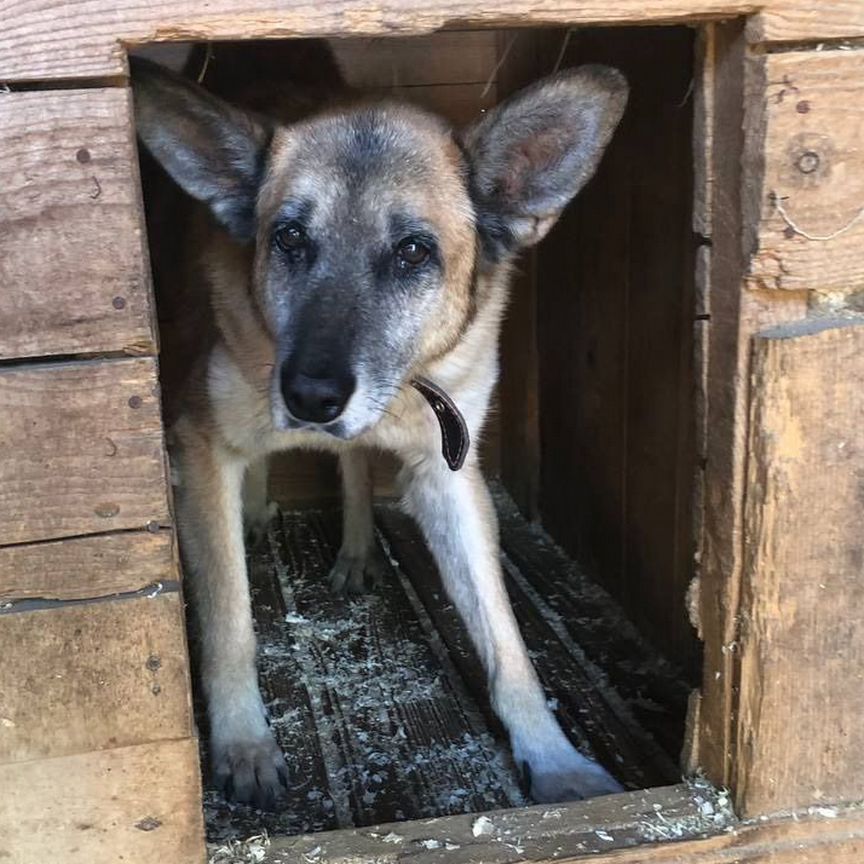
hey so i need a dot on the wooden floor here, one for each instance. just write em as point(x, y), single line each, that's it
point(379, 702)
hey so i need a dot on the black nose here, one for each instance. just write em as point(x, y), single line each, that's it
point(316, 400)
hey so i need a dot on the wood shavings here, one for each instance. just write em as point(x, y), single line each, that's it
point(253, 850)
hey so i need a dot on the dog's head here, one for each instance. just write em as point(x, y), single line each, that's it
point(372, 225)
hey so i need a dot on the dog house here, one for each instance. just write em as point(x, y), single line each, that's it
point(677, 450)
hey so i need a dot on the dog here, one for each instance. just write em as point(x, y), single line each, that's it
point(338, 271)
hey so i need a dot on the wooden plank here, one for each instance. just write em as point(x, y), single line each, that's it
point(92, 676)
point(131, 804)
point(308, 802)
point(87, 567)
point(88, 40)
point(589, 828)
point(518, 414)
point(81, 449)
point(72, 262)
point(735, 315)
point(807, 130)
point(657, 826)
point(801, 639)
point(466, 57)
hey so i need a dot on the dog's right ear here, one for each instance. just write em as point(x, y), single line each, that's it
point(216, 153)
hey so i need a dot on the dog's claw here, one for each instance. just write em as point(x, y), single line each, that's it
point(348, 574)
point(251, 772)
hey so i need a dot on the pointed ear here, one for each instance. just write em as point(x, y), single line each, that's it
point(216, 153)
point(533, 153)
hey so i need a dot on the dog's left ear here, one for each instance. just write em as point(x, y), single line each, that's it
point(533, 153)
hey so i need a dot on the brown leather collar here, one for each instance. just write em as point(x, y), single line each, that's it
point(455, 439)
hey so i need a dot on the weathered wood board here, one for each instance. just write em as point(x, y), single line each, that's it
point(128, 804)
point(91, 676)
point(800, 738)
point(87, 40)
point(654, 827)
point(86, 567)
point(73, 272)
point(806, 132)
point(544, 833)
point(81, 449)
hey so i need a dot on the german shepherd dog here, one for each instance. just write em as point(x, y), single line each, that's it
point(331, 268)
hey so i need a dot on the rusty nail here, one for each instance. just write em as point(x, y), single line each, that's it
point(83, 155)
point(802, 107)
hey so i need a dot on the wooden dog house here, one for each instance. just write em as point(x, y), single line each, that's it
point(680, 407)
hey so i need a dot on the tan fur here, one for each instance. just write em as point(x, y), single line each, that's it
point(227, 413)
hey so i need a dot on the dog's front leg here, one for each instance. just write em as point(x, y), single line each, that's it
point(358, 555)
point(258, 509)
point(247, 763)
point(458, 519)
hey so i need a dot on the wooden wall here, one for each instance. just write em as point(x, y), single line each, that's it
point(606, 316)
point(98, 752)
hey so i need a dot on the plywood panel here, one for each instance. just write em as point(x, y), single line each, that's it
point(799, 736)
point(81, 449)
point(86, 40)
point(73, 276)
point(93, 676)
point(808, 208)
point(86, 567)
point(131, 804)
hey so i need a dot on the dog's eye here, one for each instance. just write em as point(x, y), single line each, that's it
point(290, 237)
point(411, 253)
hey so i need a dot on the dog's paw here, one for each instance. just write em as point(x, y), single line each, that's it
point(349, 574)
point(257, 522)
point(573, 782)
point(554, 770)
point(251, 772)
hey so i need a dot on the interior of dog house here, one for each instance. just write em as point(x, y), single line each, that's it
point(675, 451)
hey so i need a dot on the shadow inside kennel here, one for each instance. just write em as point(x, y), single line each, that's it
point(379, 702)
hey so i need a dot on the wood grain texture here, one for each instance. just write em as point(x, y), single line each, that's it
point(93, 676)
point(87, 40)
point(73, 272)
point(86, 567)
point(567, 830)
point(657, 826)
point(615, 309)
point(81, 449)
point(806, 131)
point(131, 804)
point(799, 735)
